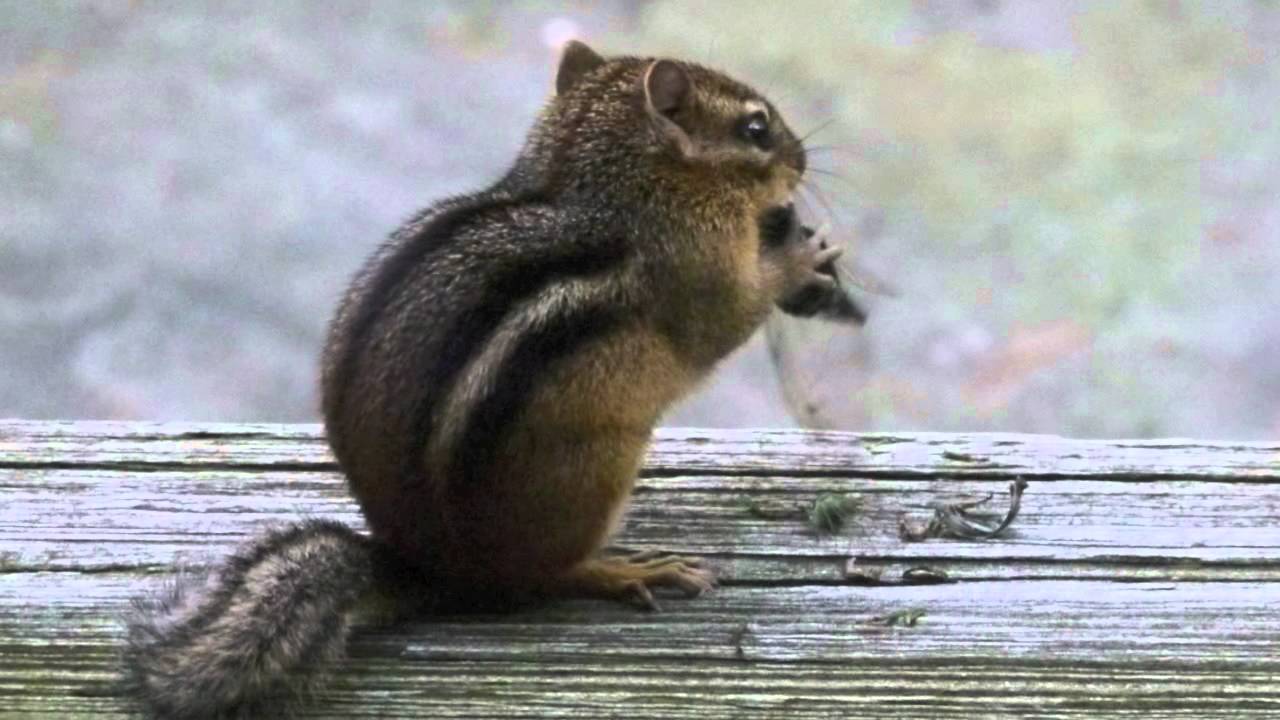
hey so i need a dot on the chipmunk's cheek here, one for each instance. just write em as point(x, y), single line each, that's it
point(791, 178)
point(781, 188)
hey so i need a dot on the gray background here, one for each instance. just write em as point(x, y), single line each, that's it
point(1076, 202)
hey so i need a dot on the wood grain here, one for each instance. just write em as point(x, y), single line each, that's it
point(675, 450)
point(1141, 579)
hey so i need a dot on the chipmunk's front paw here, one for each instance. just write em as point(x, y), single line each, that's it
point(811, 278)
point(809, 285)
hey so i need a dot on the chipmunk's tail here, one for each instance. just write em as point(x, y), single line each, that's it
point(255, 636)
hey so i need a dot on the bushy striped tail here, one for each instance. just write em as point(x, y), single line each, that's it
point(256, 636)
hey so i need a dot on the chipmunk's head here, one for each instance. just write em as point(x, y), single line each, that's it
point(707, 123)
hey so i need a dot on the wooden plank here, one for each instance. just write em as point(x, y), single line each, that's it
point(1082, 621)
point(798, 651)
point(657, 690)
point(95, 520)
point(142, 446)
point(1138, 580)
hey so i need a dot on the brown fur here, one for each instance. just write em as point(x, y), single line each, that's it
point(493, 375)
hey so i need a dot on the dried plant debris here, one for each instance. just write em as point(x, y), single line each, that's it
point(830, 512)
point(777, 509)
point(737, 637)
point(856, 573)
point(826, 515)
point(958, 520)
point(924, 575)
point(898, 618)
point(862, 574)
point(957, 456)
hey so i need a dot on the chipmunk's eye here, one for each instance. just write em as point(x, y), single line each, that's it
point(754, 128)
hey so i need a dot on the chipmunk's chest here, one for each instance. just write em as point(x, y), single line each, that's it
point(710, 308)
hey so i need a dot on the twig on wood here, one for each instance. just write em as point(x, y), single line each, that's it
point(902, 618)
point(956, 519)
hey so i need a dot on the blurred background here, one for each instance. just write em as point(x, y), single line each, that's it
point(1076, 204)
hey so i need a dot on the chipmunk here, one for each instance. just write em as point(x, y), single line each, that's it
point(492, 378)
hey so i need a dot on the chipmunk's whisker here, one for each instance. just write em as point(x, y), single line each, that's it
point(816, 130)
point(816, 194)
point(848, 150)
point(845, 181)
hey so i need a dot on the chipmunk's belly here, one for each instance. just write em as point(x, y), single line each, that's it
point(557, 484)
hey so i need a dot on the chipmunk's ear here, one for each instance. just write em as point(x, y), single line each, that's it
point(667, 91)
point(577, 61)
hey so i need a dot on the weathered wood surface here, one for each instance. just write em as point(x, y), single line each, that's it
point(1140, 580)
